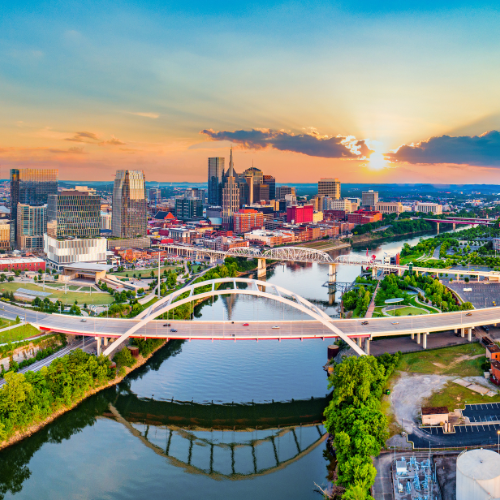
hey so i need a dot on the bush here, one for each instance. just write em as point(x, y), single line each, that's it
point(124, 358)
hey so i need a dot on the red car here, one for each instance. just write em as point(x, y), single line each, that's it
point(246, 324)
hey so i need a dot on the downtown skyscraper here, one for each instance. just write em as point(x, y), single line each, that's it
point(215, 180)
point(31, 187)
point(129, 204)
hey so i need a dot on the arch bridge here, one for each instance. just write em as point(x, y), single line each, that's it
point(241, 286)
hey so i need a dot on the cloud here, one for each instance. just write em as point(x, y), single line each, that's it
point(112, 142)
point(482, 150)
point(144, 115)
point(83, 137)
point(311, 144)
point(74, 150)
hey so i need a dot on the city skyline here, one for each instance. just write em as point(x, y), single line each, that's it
point(349, 90)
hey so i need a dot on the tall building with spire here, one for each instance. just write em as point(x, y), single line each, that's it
point(230, 195)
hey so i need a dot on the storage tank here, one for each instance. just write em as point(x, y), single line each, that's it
point(478, 475)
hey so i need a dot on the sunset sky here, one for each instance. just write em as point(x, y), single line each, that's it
point(407, 92)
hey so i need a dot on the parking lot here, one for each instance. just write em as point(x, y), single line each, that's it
point(465, 435)
point(487, 412)
point(481, 294)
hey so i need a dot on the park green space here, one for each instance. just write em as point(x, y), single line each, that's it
point(19, 333)
point(65, 298)
point(146, 273)
point(406, 311)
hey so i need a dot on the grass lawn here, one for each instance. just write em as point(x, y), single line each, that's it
point(414, 303)
point(4, 322)
point(68, 298)
point(462, 360)
point(455, 396)
point(19, 333)
point(146, 273)
point(406, 311)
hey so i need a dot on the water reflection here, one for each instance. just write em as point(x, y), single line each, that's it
point(221, 441)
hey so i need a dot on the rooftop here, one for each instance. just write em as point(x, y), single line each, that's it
point(434, 410)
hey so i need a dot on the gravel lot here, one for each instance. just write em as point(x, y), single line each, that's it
point(408, 394)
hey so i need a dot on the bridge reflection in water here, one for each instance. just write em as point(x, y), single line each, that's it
point(224, 441)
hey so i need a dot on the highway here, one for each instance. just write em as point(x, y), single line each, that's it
point(88, 346)
point(257, 330)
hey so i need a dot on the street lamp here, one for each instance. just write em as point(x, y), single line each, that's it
point(498, 442)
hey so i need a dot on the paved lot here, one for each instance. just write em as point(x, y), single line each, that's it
point(487, 412)
point(482, 294)
point(465, 435)
point(406, 344)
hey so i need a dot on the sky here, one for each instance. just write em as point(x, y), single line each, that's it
point(401, 92)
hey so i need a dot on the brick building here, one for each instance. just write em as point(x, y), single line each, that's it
point(300, 214)
point(248, 219)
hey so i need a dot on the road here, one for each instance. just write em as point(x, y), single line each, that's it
point(38, 365)
point(257, 330)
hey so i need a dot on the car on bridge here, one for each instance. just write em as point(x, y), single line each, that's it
point(246, 324)
point(173, 330)
point(276, 327)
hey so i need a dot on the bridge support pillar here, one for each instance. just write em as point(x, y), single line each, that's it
point(332, 273)
point(454, 226)
point(455, 330)
point(400, 272)
point(98, 339)
point(469, 334)
point(105, 341)
point(374, 272)
point(332, 279)
point(424, 340)
point(261, 268)
point(462, 332)
point(367, 346)
point(360, 340)
point(413, 336)
point(437, 227)
point(418, 338)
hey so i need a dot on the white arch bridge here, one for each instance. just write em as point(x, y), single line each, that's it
point(240, 286)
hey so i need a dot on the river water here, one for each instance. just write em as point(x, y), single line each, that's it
point(211, 420)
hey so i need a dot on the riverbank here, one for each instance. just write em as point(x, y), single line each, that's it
point(372, 237)
point(34, 428)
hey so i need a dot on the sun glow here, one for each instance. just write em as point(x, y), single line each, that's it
point(377, 161)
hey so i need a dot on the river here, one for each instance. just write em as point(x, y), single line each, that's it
point(211, 420)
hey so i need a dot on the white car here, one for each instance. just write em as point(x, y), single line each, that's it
point(276, 327)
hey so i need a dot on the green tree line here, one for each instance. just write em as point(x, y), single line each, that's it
point(29, 398)
point(356, 421)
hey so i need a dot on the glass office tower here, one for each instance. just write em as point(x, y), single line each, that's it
point(73, 213)
point(32, 187)
point(215, 179)
point(129, 204)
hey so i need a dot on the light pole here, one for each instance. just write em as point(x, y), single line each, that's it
point(158, 274)
point(498, 442)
